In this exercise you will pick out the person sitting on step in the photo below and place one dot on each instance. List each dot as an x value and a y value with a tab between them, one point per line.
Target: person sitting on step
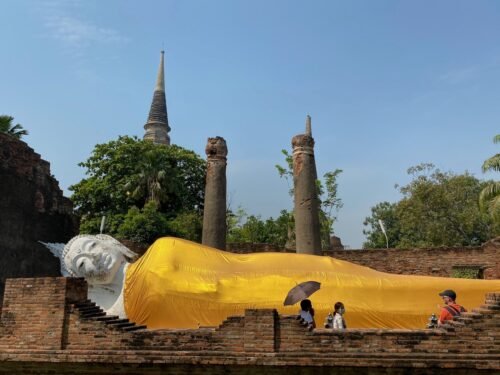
306	314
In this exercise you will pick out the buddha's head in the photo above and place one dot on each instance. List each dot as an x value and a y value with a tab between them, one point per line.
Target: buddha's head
97	258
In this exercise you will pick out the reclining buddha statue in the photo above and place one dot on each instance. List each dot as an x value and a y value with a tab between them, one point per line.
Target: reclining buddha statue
182	284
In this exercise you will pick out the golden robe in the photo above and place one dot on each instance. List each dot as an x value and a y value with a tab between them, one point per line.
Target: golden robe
181	284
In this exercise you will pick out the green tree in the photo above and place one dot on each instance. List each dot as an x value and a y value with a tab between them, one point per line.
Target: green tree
129	172
287	171
327	190
234	221
154	181
330	205
143	225
489	199
6	127
254	230
245	228
375	238
280	231
187	225
437	209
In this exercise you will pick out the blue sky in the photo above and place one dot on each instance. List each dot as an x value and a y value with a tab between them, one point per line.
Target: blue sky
388	84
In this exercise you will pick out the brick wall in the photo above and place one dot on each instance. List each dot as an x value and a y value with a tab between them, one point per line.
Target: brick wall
34	312
247	248
433	261
49	320
32	209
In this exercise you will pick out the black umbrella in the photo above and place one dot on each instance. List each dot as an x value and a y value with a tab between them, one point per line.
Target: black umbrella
301	291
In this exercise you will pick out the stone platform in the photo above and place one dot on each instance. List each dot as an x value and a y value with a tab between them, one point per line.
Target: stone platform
47	325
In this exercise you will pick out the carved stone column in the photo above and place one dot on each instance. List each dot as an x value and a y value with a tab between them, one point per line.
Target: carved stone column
306	203
214	216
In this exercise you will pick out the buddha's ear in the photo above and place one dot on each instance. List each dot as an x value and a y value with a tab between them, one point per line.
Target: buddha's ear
57	250
129	254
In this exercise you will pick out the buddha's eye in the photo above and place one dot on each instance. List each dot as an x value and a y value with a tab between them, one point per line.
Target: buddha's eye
79	264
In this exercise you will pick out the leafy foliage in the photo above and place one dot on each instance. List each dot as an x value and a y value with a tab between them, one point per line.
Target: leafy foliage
134	182
243	228
386	212
437	209
465	273
287	172
330	205
489	199
143	225
327	194
187	225
6	127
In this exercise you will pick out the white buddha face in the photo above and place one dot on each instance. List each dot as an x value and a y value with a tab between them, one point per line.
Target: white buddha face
96	258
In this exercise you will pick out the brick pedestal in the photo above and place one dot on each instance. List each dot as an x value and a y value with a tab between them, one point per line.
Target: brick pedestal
34	311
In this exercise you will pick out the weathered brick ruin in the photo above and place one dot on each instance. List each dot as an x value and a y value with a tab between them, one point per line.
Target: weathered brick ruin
32	209
306	202
440	261
47	325
48	321
214	212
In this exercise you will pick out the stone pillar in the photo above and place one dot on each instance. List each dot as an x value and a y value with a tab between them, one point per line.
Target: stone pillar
306	202
214	216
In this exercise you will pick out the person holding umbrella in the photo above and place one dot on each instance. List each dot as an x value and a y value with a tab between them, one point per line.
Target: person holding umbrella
300	292
306	314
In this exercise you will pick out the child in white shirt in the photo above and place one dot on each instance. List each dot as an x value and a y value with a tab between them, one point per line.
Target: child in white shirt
336	320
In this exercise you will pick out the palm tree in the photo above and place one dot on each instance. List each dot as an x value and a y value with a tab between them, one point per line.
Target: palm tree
6	127
152	182
489	199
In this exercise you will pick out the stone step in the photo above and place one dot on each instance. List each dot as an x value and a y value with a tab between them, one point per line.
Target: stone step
493	297
490	307
116	321
86	303
124	325
455	323
134	328
93	315
448	327
231	323
472	315
483	311
465	320
89	309
106	318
